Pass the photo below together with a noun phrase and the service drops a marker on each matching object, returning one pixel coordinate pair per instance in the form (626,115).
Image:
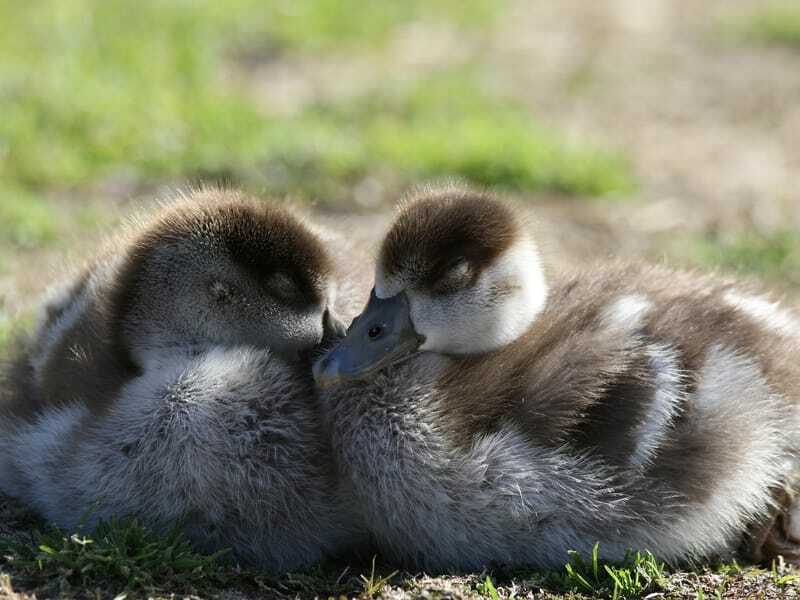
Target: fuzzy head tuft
(220,269)
(471,272)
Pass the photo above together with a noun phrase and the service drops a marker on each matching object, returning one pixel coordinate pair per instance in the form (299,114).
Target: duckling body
(638,407)
(165,384)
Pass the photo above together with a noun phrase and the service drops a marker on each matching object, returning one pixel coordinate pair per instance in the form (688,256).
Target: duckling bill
(383,335)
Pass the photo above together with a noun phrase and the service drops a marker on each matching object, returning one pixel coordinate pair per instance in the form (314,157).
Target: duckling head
(457,274)
(222,271)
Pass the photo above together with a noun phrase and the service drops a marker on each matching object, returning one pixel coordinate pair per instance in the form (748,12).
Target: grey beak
(380,336)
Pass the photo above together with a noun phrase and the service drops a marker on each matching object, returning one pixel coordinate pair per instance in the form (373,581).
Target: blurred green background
(630,128)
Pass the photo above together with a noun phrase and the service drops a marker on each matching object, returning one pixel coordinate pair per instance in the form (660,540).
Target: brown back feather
(573,380)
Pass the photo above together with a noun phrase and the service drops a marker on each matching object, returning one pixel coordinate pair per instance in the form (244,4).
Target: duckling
(170,382)
(483,413)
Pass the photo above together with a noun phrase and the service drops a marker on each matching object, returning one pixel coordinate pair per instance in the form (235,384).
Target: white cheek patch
(523,260)
(521,264)
(769,314)
(479,320)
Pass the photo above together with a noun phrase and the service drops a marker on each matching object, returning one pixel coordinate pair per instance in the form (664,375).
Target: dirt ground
(712,127)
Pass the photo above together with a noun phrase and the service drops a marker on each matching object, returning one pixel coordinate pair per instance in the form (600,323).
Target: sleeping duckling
(480,415)
(168,382)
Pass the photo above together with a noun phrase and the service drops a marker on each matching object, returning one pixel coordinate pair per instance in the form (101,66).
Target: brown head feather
(261,238)
(92,358)
(434,229)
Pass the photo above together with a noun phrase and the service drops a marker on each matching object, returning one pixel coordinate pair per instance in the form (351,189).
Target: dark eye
(375,331)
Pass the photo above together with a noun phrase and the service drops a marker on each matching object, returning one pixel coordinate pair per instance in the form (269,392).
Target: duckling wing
(687,401)
(228,441)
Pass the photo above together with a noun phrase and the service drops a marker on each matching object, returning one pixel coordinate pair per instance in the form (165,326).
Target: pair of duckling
(474,413)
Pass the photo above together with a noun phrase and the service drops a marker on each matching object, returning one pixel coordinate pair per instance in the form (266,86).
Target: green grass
(455,126)
(638,574)
(324,24)
(93,91)
(124,557)
(780,575)
(6,334)
(25,219)
(775,23)
(14,328)
(775,256)
(120,556)
(449,124)
(374,584)
(487,589)
(92,88)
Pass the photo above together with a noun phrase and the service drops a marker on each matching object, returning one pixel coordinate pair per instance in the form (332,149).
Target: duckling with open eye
(480,415)
(169,382)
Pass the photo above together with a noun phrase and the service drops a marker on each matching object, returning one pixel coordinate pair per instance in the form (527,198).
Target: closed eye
(283,288)
(457,275)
